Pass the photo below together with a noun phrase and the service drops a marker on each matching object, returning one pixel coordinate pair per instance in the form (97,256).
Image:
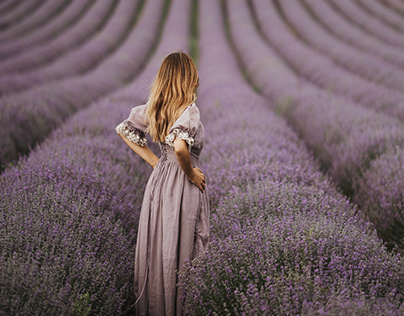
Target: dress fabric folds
(174,218)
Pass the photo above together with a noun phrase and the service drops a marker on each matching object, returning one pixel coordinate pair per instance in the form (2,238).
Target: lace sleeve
(133,128)
(178,133)
(131,133)
(185,127)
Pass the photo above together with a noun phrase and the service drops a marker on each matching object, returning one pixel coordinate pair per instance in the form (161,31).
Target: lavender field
(303,107)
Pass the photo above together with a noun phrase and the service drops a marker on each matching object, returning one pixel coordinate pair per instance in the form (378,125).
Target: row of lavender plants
(8,5)
(96,49)
(349,141)
(80,33)
(389,17)
(29,116)
(20,13)
(281,235)
(71,209)
(47,32)
(359,62)
(350,10)
(43,15)
(396,5)
(375,196)
(320,69)
(353,35)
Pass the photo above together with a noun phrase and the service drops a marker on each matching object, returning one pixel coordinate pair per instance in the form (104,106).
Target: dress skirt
(173,226)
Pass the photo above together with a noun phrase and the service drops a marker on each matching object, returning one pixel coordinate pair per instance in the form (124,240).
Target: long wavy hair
(173,89)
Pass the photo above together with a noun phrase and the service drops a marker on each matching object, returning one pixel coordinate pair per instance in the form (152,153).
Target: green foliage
(82,306)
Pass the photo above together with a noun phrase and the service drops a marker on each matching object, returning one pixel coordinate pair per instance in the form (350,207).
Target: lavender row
(28,117)
(380,193)
(72,207)
(246,142)
(76,36)
(43,15)
(316,67)
(260,145)
(344,137)
(369,23)
(396,5)
(19,14)
(8,5)
(352,34)
(389,17)
(360,63)
(295,264)
(280,244)
(47,32)
(82,59)
(381,204)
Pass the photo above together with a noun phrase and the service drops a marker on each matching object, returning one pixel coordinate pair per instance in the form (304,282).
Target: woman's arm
(142,151)
(194,175)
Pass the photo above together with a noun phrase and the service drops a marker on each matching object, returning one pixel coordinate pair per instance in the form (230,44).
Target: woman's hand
(194,175)
(198,178)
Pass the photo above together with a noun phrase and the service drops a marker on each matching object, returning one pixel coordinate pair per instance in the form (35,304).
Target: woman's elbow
(121,136)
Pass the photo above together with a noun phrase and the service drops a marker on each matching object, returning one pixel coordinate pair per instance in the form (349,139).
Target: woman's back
(174,218)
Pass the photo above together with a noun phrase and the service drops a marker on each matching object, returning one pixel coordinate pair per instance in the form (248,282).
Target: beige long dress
(174,218)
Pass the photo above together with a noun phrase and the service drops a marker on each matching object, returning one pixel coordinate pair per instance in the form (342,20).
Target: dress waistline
(168,154)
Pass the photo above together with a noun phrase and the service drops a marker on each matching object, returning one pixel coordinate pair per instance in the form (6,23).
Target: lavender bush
(280,245)
(7,6)
(389,17)
(67,18)
(352,34)
(18,14)
(396,5)
(28,117)
(71,64)
(343,136)
(43,15)
(282,234)
(351,11)
(60,239)
(82,191)
(50,51)
(380,193)
(358,62)
(316,67)
(295,264)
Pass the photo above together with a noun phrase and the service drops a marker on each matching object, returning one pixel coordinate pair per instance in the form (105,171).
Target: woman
(174,218)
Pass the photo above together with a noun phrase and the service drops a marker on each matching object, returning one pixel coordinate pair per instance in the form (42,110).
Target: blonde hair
(173,89)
